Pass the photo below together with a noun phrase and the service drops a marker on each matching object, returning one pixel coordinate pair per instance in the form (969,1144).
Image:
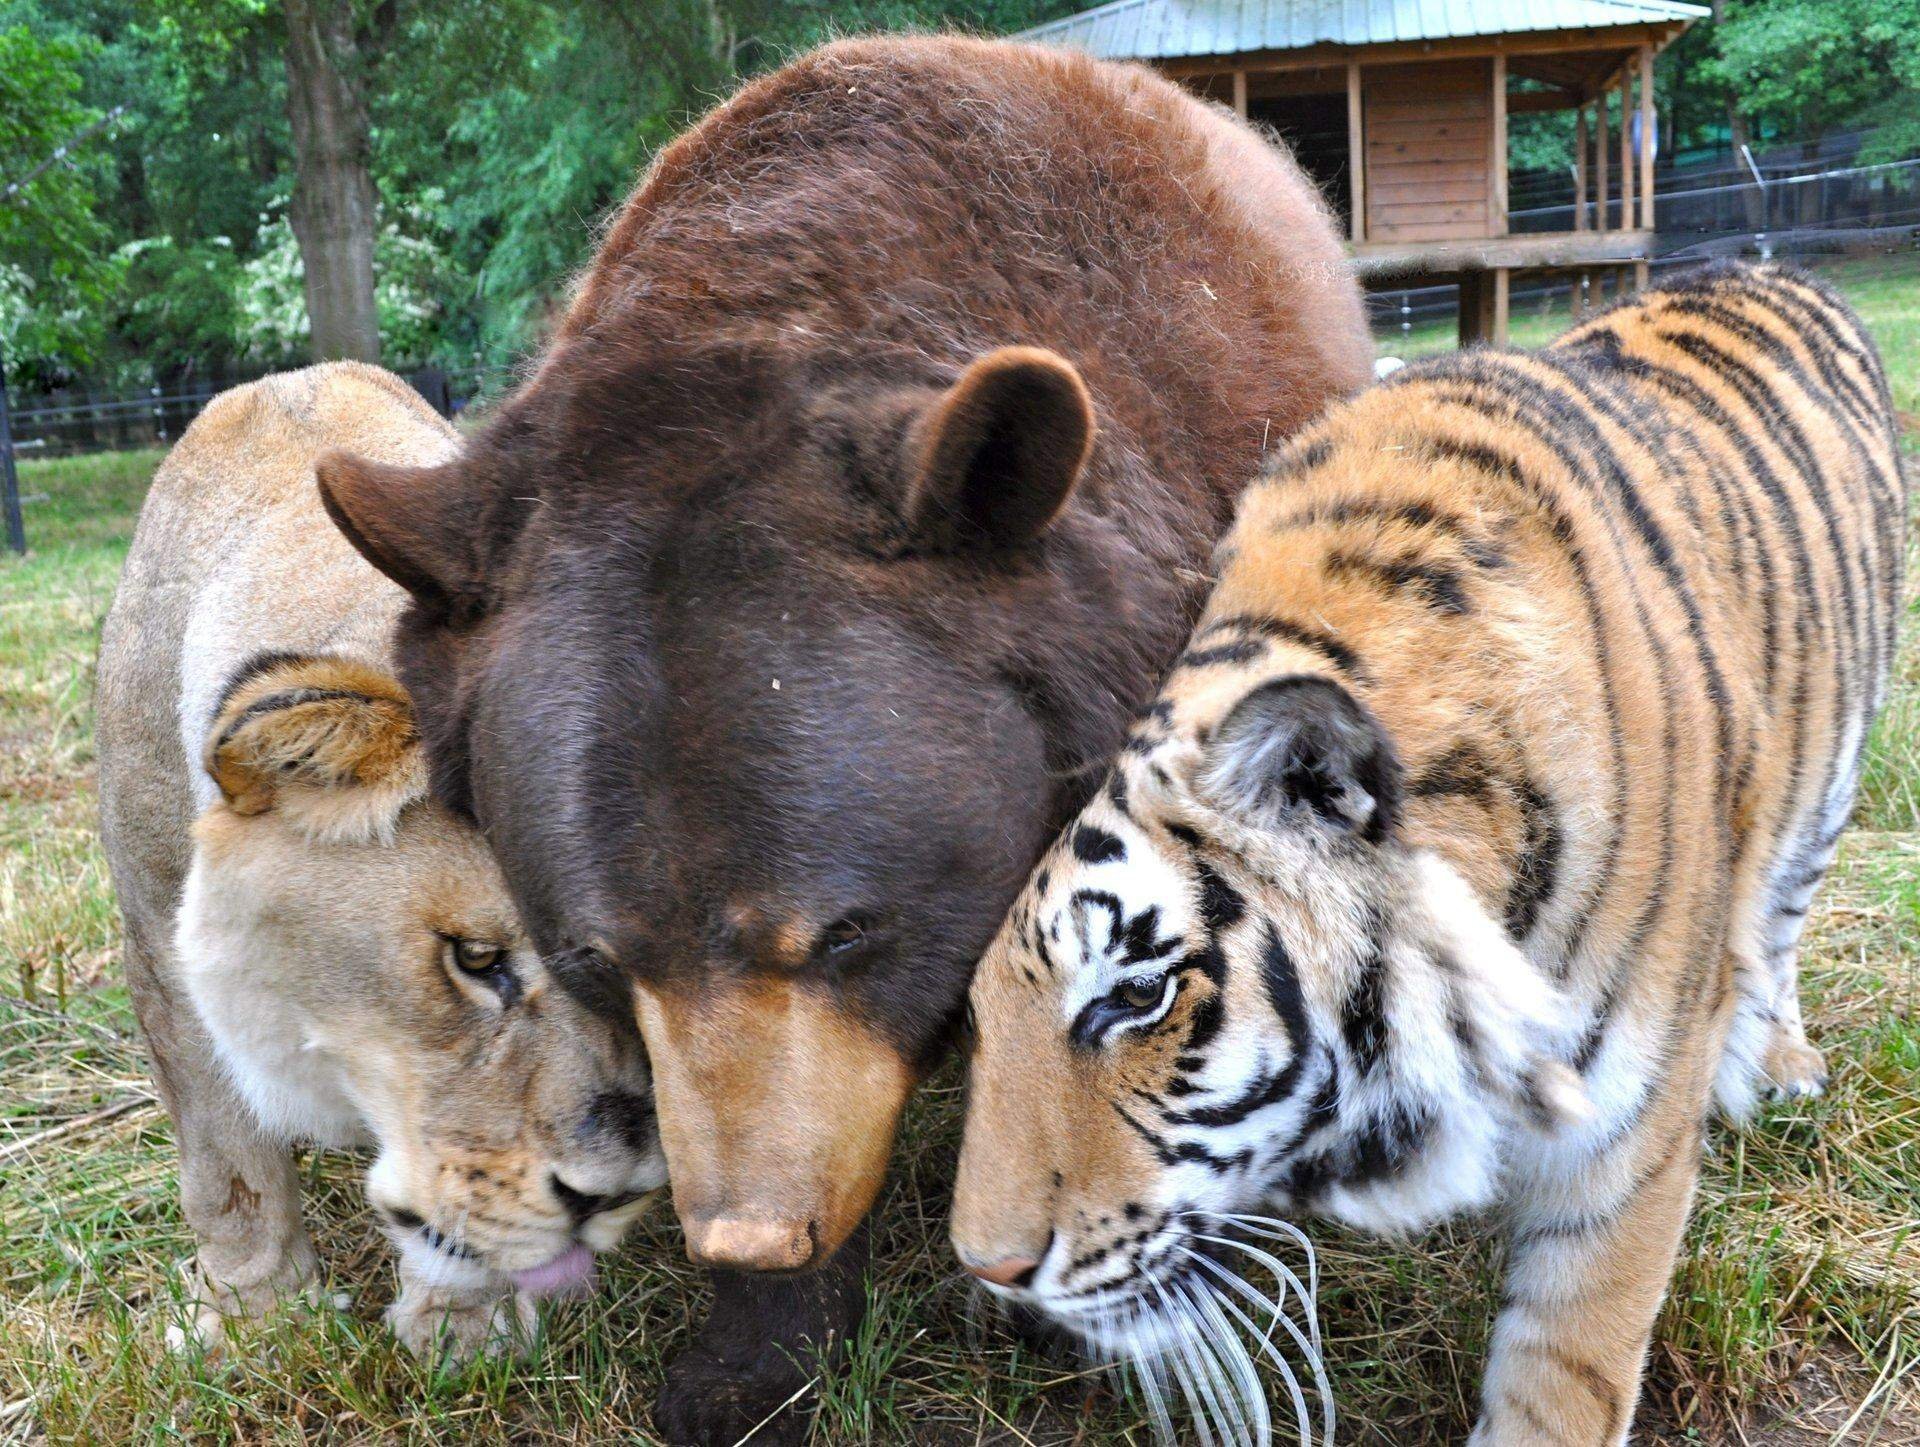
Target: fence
(85,419)
(1816,204)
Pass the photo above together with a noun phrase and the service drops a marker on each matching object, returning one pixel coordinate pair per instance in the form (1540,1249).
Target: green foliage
(1812,65)
(503,131)
(1782,69)
(412,276)
(180,298)
(55,272)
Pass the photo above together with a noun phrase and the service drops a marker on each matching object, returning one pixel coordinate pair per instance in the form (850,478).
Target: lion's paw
(210,1303)
(435,1322)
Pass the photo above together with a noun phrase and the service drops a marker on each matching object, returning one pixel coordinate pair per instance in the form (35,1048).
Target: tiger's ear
(1303,749)
(992,460)
(415,524)
(328,743)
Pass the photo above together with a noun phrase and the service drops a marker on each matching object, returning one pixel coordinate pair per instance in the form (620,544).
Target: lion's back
(233,555)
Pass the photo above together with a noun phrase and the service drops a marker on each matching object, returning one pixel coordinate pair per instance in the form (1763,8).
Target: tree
(334,211)
(54,271)
(1811,66)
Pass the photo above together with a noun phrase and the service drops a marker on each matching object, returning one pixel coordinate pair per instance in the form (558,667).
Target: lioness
(317,951)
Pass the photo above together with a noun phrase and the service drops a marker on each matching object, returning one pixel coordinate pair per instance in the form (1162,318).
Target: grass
(1794,1316)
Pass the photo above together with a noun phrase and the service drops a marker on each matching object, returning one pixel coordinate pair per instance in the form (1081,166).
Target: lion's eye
(484,963)
(1142,993)
(477,957)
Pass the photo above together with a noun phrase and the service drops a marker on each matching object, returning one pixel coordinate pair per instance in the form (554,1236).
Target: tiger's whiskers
(1194,1335)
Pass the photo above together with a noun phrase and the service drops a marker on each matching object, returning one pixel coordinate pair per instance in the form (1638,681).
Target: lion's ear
(327,742)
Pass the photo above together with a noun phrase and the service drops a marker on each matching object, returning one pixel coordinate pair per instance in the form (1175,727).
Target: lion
(317,951)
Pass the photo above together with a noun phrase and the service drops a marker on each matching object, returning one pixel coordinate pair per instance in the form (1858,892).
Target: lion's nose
(579,1204)
(751,1243)
(1008,1271)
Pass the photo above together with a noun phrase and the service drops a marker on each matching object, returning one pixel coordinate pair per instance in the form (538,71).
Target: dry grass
(1794,1315)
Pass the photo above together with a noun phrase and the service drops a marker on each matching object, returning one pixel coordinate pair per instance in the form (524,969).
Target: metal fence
(1805,202)
(89,419)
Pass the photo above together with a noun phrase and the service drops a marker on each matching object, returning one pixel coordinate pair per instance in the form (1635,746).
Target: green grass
(1885,290)
(1796,1304)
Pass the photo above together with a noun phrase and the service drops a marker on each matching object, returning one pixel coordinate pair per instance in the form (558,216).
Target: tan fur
(1628,704)
(289,893)
(329,742)
(769,1049)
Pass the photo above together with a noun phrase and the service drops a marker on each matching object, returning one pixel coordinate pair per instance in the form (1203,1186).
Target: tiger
(1461,862)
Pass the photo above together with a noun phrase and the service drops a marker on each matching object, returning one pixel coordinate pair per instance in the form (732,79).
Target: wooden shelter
(1399,109)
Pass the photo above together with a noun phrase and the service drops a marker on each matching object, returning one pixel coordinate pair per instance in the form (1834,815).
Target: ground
(1794,1317)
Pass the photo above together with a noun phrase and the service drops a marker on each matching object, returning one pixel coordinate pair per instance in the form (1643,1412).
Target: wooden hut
(1399,109)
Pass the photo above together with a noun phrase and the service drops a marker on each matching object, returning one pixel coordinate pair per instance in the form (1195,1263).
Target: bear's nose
(1008,1271)
(750,1243)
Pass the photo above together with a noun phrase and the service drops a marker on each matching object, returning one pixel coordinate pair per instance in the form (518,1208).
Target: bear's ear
(415,524)
(1303,750)
(992,460)
(327,742)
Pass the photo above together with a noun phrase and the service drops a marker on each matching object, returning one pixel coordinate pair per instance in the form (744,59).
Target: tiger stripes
(1472,838)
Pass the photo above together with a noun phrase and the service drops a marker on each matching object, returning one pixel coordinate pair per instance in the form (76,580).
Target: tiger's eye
(477,957)
(1141,994)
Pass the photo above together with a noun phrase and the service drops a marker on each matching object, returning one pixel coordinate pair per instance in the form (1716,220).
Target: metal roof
(1165,29)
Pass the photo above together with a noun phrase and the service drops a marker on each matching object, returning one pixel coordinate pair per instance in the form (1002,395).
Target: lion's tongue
(568,1274)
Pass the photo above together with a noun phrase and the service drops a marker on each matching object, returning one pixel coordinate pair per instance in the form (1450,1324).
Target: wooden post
(1240,94)
(1497,193)
(1356,154)
(9,479)
(1476,307)
(1648,129)
(1600,215)
(1626,148)
(1580,168)
(1499,307)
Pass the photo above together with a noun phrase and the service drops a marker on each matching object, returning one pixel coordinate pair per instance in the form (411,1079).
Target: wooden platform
(1547,250)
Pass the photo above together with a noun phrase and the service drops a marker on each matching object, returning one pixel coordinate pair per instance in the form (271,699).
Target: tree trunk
(333,210)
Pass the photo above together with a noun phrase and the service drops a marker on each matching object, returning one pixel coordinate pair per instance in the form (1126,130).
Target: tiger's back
(1505,759)
(1712,480)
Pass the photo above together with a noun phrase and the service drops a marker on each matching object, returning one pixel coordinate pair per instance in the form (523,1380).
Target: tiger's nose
(1008,1271)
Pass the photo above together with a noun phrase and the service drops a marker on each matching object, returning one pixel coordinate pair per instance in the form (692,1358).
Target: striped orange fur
(1462,860)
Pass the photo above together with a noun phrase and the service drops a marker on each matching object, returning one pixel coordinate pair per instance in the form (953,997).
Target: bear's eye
(1141,993)
(477,957)
(844,935)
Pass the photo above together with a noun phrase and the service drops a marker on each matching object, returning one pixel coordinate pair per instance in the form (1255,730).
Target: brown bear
(804,588)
